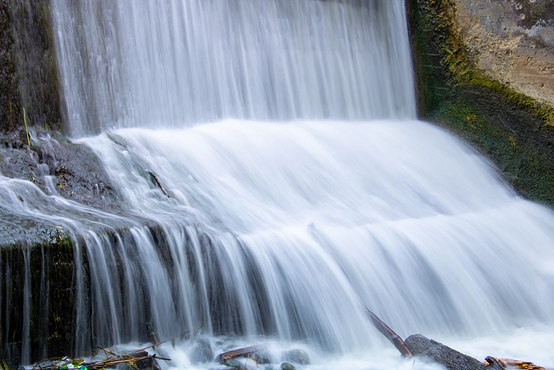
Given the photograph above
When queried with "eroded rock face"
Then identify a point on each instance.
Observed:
(512, 42)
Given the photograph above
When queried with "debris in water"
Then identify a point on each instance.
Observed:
(137, 360)
(157, 182)
(394, 338)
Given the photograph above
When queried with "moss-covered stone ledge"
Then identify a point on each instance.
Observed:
(58, 166)
(37, 255)
(512, 129)
(48, 288)
(37, 295)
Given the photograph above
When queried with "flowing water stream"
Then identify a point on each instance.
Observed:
(275, 183)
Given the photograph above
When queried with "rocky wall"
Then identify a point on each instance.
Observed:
(9, 97)
(28, 72)
(512, 42)
(456, 91)
(37, 297)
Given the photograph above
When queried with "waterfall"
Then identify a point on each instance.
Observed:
(176, 63)
(273, 184)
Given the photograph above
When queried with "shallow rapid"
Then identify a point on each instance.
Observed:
(313, 221)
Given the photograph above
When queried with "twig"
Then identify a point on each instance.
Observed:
(168, 340)
(157, 181)
(107, 351)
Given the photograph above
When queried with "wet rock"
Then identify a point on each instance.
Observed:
(287, 366)
(296, 356)
(444, 355)
(489, 86)
(145, 361)
(241, 363)
(201, 351)
(262, 357)
(62, 168)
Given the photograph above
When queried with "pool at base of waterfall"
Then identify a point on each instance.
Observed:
(201, 352)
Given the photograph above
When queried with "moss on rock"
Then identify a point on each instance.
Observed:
(28, 71)
(516, 132)
(37, 296)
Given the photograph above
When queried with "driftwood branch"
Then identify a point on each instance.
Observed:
(394, 338)
(113, 359)
(155, 179)
(241, 352)
(107, 351)
(504, 363)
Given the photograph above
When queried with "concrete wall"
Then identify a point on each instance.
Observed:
(484, 71)
(512, 42)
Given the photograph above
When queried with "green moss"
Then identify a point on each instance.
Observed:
(528, 169)
(428, 29)
(438, 20)
(545, 113)
(513, 130)
(48, 262)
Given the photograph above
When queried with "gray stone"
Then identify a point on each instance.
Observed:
(297, 356)
(287, 366)
(444, 355)
(201, 351)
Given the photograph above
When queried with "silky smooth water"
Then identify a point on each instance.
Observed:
(180, 62)
(299, 189)
(314, 221)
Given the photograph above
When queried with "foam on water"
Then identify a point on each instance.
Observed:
(318, 220)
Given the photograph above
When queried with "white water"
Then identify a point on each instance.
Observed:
(316, 220)
(168, 63)
(301, 190)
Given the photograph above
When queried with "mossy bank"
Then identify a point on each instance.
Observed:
(457, 91)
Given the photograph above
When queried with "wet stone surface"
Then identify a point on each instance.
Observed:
(57, 168)
(446, 356)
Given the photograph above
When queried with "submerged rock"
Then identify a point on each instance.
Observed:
(201, 351)
(297, 356)
(242, 363)
(262, 357)
(444, 355)
(287, 366)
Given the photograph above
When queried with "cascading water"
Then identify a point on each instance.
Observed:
(173, 63)
(297, 188)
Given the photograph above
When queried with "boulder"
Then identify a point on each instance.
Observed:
(444, 355)
(287, 366)
(201, 351)
(296, 356)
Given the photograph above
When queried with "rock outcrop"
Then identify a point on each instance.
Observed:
(512, 42)
(483, 70)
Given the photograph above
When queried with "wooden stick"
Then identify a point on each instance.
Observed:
(506, 363)
(241, 352)
(390, 334)
(107, 351)
(158, 182)
(168, 340)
